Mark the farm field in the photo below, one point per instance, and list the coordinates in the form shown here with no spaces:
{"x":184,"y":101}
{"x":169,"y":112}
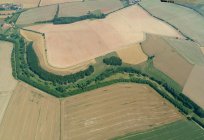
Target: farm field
{"x":98,"y":37}
{"x":82,"y":8}
{"x":24,"y":3}
{"x":40,"y":49}
{"x":31,"y":115}
{"x":132,"y":54}
{"x":188,"y":49}
{"x":180,"y":130}
{"x":167,"y":60}
{"x":114,"y":110}
{"x":179,"y":17}
{"x":197,"y":5}
{"x":7,"y":82}
{"x":50,"y":2}
{"x":38,"y":14}
{"x":194,"y":86}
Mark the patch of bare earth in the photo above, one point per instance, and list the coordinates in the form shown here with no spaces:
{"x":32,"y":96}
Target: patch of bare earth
{"x":113,"y":111}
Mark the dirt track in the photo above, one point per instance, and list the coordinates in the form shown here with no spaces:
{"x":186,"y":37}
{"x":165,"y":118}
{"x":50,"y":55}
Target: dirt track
{"x":114,"y":110}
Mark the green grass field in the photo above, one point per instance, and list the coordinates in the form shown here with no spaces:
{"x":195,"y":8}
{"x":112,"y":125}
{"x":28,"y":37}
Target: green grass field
{"x":180,"y":130}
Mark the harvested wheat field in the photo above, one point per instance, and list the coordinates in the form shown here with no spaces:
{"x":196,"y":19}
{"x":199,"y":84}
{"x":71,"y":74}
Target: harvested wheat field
{"x":24,"y":3}
{"x":50,"y":2}
{"x":113,"y":111}
{"x":167,"y":59}
{"x":98,"y":37}
{"x":132,"y":54}
{"x":39,"y":14}
{"x":40,"y":49}
{"x":194,"y":88}
{"x":7,"y":82}
{"x":31,"y":115}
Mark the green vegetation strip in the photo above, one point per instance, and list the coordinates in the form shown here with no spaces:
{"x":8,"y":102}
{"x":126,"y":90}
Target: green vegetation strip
{"x":26,"y":67}
{"x":180,"y":130}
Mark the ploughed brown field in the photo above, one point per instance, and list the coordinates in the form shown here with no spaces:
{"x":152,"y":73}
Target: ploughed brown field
{"x":71,"y":44}
{"x":114,"y":110}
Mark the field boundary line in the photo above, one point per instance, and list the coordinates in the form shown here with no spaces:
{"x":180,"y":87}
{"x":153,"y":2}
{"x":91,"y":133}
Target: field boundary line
{"x":160,"y":19}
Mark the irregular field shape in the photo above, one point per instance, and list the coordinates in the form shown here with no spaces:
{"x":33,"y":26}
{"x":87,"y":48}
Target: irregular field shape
{"x":180,"y":130}
{"x":194,"y":88}
{"x":178,"y":16}
{"x":39,"y":14}
{"x":75,"y":9}
{"x":40,"y":49}
{"x":132,"y":54}
{"x":50,"y":2}
{"x":167,"y":59}
{"x":98,"y":37}
{"x":31,"y":115}
{"x":114,"y":110}
{"x":24,"y":3}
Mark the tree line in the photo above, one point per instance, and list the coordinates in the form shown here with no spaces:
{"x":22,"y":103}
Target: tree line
{"x":34,"y":65}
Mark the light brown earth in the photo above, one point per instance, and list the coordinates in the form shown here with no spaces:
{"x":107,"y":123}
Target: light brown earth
{"x":40,"y":49}
{"x":98,"y":37}
{"x":50,"y":2}
{"x":7,"y":82}
{"x":132,"y":54}
{"x":167,"y":59}
{"x":194,"y":88}
{"x":113,"y":111}
{"x":24,"y":3}
{"x":31,"y":115}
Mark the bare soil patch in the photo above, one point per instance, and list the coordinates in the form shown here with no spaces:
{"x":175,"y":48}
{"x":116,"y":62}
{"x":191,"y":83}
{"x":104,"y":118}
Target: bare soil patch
{"x":113,"y":111}
{"x":71,"y":44}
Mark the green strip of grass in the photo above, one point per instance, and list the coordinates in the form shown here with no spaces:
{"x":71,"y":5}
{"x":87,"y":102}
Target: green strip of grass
{"x":180,"y":130}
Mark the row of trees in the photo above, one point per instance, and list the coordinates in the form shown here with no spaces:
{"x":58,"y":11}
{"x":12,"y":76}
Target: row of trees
{"x":33,"y":64}
{"x":67,"y":20}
